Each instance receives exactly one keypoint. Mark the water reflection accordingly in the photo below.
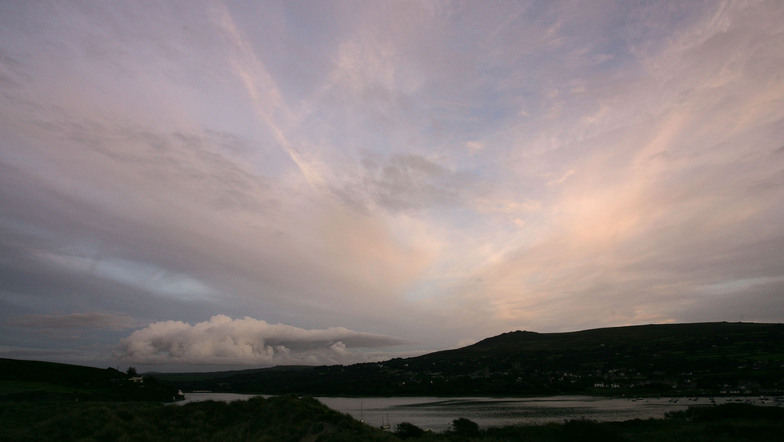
(436, 413)
(221, 397)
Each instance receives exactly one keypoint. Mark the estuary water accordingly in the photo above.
(220, 397)
(437, 413)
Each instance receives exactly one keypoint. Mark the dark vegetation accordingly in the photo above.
(47, 401)
(729, 422)
(35, 380)
(680, 359)
(282, 418)
(42, 401)
(289, 418)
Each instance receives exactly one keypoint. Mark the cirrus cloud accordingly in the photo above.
(75, 320)
(441, 172)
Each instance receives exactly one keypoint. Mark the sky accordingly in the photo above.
(215, 185)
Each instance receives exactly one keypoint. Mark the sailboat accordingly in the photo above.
(385, 425)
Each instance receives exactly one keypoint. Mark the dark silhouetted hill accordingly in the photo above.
(22, 380)
(669, 359)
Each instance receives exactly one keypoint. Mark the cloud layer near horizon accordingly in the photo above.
(247, 342)
(433, 171)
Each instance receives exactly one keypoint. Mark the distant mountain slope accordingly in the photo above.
(704, 358)
(709, 337)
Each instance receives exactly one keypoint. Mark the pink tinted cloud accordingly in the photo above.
(246, 341)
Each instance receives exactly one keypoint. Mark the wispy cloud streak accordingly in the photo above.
(268, 102)
(439, 172)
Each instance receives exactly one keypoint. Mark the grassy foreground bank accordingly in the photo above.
(288, 418)
(285, 418)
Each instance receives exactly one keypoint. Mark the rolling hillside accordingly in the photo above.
(672, 359)
(37, 380)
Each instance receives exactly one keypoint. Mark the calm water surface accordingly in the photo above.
(222, 397)
(437, 413)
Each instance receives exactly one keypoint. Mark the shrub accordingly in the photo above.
(465, 427)
(588, 430)
(407, 430)
(733, 411)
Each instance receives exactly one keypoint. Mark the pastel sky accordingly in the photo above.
(201, 184)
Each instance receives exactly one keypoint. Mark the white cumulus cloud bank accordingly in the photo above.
(247, 341)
